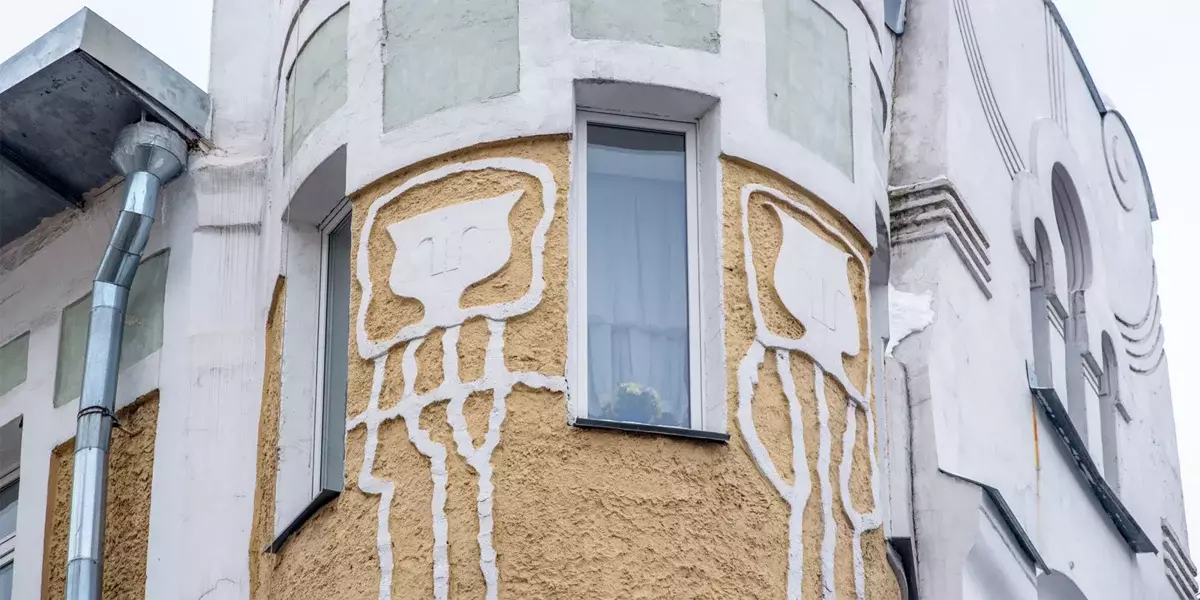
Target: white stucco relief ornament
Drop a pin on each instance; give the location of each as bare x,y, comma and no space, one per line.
439,254
812,282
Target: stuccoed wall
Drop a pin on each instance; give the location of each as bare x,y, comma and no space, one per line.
127,521
989,103
575,512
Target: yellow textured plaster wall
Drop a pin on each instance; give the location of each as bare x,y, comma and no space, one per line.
578,513
127,520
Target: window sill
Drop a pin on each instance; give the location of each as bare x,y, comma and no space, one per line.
1056,412
309,511
680,432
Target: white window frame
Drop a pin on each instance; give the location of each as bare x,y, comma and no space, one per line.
331,222
299,487
577,211
8,545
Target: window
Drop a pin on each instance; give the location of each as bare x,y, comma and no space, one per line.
1109,399
14,362
8,508
142,337
6,581
8,530
636,341
333,354
312,429
10,478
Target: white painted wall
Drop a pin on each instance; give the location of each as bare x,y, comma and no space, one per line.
34,301
227,229
997,139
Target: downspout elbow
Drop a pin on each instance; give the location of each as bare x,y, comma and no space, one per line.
149,155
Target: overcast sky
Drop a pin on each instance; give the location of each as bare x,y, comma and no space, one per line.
177,31
1143,56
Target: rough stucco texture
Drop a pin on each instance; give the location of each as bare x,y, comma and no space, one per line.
262,525
808,79
578,513
127,525
468,46
682,23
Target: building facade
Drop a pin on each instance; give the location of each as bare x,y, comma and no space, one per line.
624,299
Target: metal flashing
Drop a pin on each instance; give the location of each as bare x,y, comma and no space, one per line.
1124,521
681,432
1010,520
63,100
1098,99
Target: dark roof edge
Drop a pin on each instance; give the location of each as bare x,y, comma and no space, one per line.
1098,100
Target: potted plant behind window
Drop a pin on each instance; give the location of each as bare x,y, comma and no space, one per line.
636,403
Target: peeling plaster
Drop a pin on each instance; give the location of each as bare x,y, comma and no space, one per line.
908,313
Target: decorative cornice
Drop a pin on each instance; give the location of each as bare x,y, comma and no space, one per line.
1054,410
1144,340
1055,68
1181,571
933,209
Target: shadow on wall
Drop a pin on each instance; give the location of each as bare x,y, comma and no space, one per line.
1056,586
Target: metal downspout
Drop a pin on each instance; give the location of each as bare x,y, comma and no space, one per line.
149,155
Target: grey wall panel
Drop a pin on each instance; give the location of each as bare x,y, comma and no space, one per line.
448,53
316,87
808,79
680,23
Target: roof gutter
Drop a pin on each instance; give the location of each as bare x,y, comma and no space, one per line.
149,155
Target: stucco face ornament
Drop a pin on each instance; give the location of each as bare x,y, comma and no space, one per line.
439,254
811,282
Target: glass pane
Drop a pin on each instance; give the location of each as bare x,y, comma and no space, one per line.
14,363
637,287
8,510
144,316
143,328
6,582
72,341
337,339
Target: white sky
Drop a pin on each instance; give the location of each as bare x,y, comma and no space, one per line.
177,31
1142,55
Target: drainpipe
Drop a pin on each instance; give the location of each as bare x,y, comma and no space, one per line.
149,155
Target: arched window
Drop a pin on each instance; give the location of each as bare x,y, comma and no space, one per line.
1109,391
1041,290
1072,231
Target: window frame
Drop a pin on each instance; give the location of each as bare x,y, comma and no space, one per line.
578,334
310,346
8,544
339,214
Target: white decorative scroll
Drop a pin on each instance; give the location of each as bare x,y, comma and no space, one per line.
812,282
439,255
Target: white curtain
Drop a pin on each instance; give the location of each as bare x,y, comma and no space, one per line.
637,278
